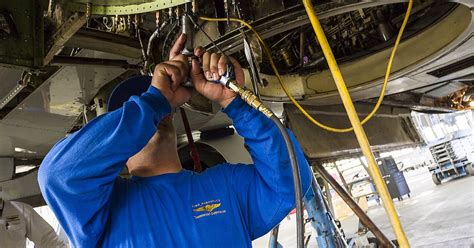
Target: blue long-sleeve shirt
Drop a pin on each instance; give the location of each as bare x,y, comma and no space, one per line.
228,205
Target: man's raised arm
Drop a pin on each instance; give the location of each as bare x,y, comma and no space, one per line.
265,189
77,175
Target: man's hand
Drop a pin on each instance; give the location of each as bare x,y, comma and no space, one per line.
169,76
213,67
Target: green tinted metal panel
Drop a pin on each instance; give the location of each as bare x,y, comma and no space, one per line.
120,7
25,47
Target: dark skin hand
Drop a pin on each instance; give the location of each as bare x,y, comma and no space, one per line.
213,67
170,75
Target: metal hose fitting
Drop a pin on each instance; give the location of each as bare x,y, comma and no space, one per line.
249,97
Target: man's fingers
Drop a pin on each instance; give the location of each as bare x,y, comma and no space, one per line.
199,51
161,80
206,60
174,70
196,69
239,73
179,70
178,46
213,67
182,63
222,65
196,74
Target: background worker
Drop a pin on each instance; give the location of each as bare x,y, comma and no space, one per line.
19,221
163,205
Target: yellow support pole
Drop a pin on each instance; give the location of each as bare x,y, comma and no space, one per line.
358,130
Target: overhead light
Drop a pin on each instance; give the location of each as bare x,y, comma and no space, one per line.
24,168
23,150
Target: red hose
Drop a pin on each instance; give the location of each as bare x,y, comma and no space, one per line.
192,145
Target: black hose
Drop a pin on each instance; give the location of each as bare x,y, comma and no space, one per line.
252,100
296,181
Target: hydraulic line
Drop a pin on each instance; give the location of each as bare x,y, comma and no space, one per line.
293,100
253,101
356,124
296,181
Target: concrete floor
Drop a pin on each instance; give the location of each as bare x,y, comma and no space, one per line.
434,216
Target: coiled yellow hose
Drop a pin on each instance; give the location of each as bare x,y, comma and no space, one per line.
293,100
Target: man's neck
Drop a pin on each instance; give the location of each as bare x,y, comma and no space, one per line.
155,170
150,165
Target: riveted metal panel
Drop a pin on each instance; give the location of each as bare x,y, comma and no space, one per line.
120,7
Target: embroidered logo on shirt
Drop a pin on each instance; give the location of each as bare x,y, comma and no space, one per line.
208,208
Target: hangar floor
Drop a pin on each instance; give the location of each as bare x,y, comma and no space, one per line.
434,216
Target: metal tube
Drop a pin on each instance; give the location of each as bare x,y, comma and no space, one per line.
252,67
188,30
384,241
329,197
357,126
343,179
150,42
84,61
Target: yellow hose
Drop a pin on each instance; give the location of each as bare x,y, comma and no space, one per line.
293,100
357,125
349,106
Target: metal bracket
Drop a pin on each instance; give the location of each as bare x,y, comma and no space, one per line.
64,33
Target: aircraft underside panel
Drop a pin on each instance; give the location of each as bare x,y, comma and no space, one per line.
390,128
52,110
